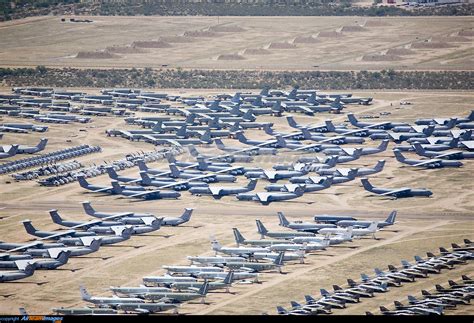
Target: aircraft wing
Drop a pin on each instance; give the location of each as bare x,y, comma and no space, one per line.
118,215
25,246
418,129
349,151
142,194
428,162
151,138
103,189
453,153
375,125
343,171
263,196
469,144
331,139
86,224
401,190
215,190
394,135
59,234
351,132
307,147
440,120
270,174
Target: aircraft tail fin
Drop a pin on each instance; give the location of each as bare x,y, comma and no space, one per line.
219,143
116,187
190,117
454,245
412,299
280,141
141,165
236,97
252,184
428,130
146,179
248,115
291,122
398,155
229,278
467,242
295,305
279,260
465,277
187,214
258,101
181,132
268,129
383,145
283,221
466,135
277,107
42,144
384,285
418,259
29,227
439,288
63,256
239,238
392,268
312,98
241,137
383,309
378,272
336,287
13,150
264,91
419,148
235,127
204,288
351,282
405,264
216,246
157,127
281,310
391,217
380,165
430,254
84,294
364,277
324,292
82,181
352,119
174,170
112,173
261,228
309,299
332,161
292,94
397,304
22,311
365,182
306,133
203,165
170,158
56,217
330,125
88,209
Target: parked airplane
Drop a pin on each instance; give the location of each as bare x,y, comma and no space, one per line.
364,224
302,226
266,198
280,234
356,232
10,153
107,300
396,193
219,191
430,163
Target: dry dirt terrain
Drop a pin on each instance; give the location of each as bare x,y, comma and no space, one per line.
423,224
268,43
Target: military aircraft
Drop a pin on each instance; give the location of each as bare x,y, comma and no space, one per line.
60,258
107,300
382,125
430,163
239,239
356,232
178,297
166,280
23,149
312,184
302,226
395,275
10,153
247,151
146,195
395,193
444,155
25,269
187,270
294,191
332,218
341,296
364,171
84,311
136,291
238,251
280,234
146,308
226,283
386,311
364,224
219,260
218,192
332,239
277,263
105,189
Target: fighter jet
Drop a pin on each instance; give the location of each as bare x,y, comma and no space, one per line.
419,309
395,275
218,192
341,296
266,198
280,235
364,224
396,193
411,272
107,300
302,226
372,286
386,311
326,301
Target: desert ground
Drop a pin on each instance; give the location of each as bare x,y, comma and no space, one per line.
267,43
423,224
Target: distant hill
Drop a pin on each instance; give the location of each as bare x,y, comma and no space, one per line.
17,9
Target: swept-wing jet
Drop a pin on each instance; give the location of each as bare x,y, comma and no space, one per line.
430,163
396,193
324,218
442,155
239,251
179,296
146,195
25,269
219,284
10,153
277,263
219,191
266,198
381,125
84,311
341,296
371,229
146,308
364,224
239,239
23,149
105,189
280,234
300,225
60,258
107,300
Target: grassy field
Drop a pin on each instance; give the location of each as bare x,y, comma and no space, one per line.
423,224
262,43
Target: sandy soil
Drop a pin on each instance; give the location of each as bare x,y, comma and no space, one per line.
50,42
423,225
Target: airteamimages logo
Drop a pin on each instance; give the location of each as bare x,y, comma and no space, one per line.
41,318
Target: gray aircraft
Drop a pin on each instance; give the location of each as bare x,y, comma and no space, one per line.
312,184
257,266
218,192
279,142
395,275
364,224
247,151
444,155
399,137
280,235
187,270
238,251
228,158
341,296
146,308
52,263
226,283
239,239
25,269
213,260
302,226
294,191
324,218
364,171
357,232
397,192
136,291
166,280
105,189
381,125
90,245
107,300
332,239
53,234
23,149
84,311
179,296
430,163
10,153
146,195
199,176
